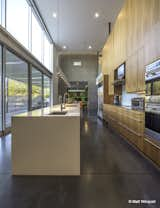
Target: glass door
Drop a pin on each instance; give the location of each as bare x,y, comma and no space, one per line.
36,80
16,87
46,91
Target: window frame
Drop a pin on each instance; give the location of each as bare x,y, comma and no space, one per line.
35,68
28,35
32,9
5,49
44,75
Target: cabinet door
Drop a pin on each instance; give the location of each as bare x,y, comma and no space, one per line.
131,73
141,70
111,80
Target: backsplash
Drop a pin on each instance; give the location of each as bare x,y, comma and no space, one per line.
127,97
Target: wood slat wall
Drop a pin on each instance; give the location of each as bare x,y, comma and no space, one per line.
128,123
134,40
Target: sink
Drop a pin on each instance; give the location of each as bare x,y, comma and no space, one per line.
58,113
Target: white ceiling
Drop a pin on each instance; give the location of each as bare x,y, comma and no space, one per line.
75,25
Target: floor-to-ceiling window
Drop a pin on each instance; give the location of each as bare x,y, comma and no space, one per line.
17,20
36,88
47,52
0,12
0,88
36,38
25,25
22,20
16,87
46,91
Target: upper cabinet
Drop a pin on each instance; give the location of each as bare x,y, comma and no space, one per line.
141,70
132,73
108,61
135,40
120,38
135,72
132,26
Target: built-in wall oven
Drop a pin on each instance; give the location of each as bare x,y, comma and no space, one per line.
153,87
152,113
152,101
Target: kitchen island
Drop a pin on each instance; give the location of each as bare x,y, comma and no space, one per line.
46,141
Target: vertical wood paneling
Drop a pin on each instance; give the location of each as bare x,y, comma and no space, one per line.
134,39
131,73
141,70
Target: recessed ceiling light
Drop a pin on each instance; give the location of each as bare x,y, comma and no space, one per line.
96,15
77,63
64,47
55,15
90,47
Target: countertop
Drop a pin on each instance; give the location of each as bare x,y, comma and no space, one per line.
152,111
127,108
71,109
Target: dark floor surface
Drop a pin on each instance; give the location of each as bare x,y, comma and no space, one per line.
112,172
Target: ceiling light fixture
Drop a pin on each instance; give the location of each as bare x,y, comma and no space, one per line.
64,47
96,15
55,15
90,47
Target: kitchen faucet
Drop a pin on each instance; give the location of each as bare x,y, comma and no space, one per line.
64,101
61,103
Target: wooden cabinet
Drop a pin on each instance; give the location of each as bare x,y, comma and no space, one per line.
120,38
131,73
152,151
128,123
134,39
132,22
108,62
141,70
135,72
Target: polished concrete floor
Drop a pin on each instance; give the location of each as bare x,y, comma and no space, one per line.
112,172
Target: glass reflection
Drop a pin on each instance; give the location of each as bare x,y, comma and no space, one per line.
16,87
36,89
47,91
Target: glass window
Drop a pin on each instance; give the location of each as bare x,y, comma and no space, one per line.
36,89
47,53
156,87
36,38
0,11
16,87
18,20
0,88
47,91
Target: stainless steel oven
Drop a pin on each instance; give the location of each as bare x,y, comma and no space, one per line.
152,101
153,87
152,78
152,121
152,116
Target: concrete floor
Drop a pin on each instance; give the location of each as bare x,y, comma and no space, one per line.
112,172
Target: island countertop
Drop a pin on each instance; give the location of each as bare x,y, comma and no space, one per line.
70,109
45,144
